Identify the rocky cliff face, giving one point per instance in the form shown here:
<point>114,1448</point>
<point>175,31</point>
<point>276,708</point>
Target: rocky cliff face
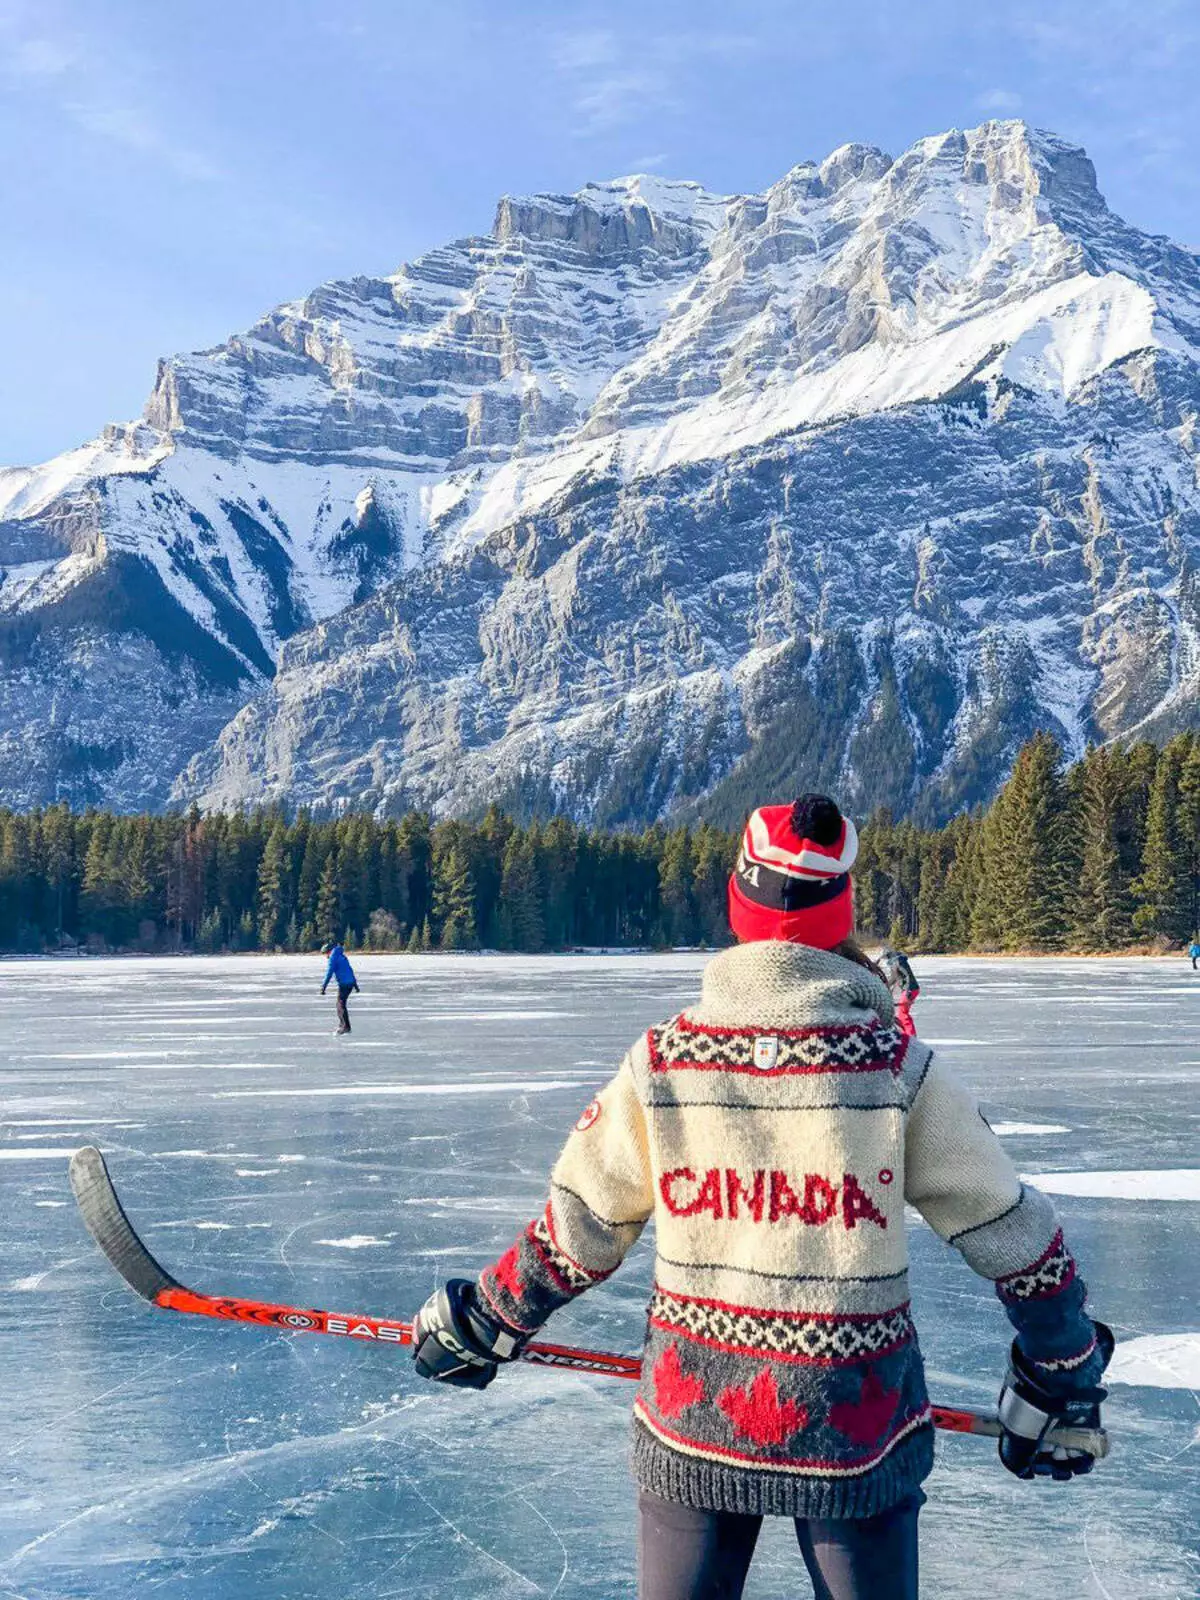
<point>147,579</point>
<point>652,501</point>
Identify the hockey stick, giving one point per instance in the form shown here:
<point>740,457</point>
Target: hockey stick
<point>105,1219</point>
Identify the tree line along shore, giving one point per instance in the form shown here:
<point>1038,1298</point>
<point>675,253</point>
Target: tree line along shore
<point>1101,855</point>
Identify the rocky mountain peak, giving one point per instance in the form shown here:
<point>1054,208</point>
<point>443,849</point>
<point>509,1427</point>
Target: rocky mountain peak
<point>611,221</point>
<point>877,468</point>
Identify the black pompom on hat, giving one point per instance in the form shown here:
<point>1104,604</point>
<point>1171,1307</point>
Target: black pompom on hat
<point>816,817</point>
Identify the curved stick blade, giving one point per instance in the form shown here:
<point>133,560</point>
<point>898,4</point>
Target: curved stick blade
<point>105,1220</point>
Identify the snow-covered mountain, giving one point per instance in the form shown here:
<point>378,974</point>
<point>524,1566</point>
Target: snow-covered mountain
<point>652,500</point>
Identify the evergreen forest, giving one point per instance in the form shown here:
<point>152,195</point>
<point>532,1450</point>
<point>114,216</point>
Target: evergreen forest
<point>1101,855</point>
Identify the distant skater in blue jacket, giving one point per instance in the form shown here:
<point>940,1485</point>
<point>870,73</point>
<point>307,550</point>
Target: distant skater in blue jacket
<point>342,973</point>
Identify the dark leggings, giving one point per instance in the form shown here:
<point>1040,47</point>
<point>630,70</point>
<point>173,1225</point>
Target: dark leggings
<point>345,990</point>
<point>705,1555</point>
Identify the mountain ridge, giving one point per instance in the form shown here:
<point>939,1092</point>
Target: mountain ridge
<point>607,376</point>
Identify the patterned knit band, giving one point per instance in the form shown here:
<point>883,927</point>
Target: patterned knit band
<point>792,879</point>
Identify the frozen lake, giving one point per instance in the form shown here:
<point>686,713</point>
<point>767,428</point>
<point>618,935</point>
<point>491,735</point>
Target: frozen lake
<point>260,1155</point>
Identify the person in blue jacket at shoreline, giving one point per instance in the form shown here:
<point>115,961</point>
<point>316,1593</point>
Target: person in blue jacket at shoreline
<point>341,972</point>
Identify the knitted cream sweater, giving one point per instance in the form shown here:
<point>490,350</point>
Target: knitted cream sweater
<point>775,1131</point>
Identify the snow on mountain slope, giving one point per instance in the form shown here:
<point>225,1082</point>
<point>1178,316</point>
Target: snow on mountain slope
<point>894,462</point>
<point>290,471</point>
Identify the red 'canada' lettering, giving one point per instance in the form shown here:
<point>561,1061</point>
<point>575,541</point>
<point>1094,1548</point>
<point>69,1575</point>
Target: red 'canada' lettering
<point>707,1199</point>
<point>857,1205</point>
<point>735,1192</point>
<point>773,1192</point>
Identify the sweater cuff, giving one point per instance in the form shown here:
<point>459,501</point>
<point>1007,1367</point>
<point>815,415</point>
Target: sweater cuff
<point>1045,1304</point>
<point>533,1278</point>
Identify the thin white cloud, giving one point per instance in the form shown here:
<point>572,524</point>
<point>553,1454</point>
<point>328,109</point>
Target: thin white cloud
<point>580,52</point>
<point>613,81</point>
<point>621,96</point>
<point>100,95</point>
<point>134,129</point>
<point>40,58</point>
<point>1003,101</point>
<point>648,163</point>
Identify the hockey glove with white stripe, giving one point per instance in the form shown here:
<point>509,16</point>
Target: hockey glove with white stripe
<point>1028,1411</point>
<point>456,1341</point>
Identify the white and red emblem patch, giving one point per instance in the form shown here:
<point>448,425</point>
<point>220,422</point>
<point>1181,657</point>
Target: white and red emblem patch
<point>591,1114</point>
<point>766,1052</point>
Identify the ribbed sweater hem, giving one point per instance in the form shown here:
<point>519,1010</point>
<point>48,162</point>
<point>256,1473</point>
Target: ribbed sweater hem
<point>712,1486</point>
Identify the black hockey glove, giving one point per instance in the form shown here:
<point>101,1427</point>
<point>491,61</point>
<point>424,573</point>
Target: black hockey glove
<point>455,1341</point>
<point>1028,1412</point>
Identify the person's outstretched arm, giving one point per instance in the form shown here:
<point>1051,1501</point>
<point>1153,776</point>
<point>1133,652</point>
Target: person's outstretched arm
<point>962,1182</point>
<point>601,1196</point>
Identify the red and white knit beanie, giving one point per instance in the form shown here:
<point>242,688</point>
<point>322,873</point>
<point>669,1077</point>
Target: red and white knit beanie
<point>792,879</point>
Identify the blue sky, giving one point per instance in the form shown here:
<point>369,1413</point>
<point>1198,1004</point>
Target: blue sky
<point>170,170</point>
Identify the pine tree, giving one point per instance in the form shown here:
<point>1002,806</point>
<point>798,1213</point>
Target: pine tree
<point>453,888</point>
<point>557,845</point>
<point>1189,828</point>
<point>308,883</point>
<point>1162,889</point>
<point>677,911</point>
<point>984,907</point>
<point>274,889</point>
<point>493,836</point>
<point>714,854</point>
<point>329,899</point>
<point>101,892</point>
<point>1025,850</point>
<point>950,918</point>
<point>58,855</point>
<point>520,920</point>
<point>872,883</point>
<point>1101,915</point>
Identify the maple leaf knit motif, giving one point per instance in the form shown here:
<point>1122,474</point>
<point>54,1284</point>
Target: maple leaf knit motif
<point>674,1389</point>
<point>864,1419</point>
<point>756,1412</point>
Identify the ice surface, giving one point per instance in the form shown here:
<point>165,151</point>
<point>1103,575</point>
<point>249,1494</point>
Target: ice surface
<point>1155,1184</point>
<point>146,1452</point>
<point>1162,1360</point>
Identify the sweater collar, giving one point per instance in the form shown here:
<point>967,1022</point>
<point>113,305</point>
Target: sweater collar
<point>772,984</point>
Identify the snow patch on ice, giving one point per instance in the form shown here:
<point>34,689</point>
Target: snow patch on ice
<point>1177,1183</point>
<point>210,1155</point>
<point>1157,1361</point>
<point>1003,1128</point>
<point>356,1241</point>
<point>515,1087</point>
<point>491,1016</point>
<point>67,1122</point>
<point>35,1155</point>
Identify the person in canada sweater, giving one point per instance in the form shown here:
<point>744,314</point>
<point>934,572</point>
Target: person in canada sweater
<point>774,1131</point>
